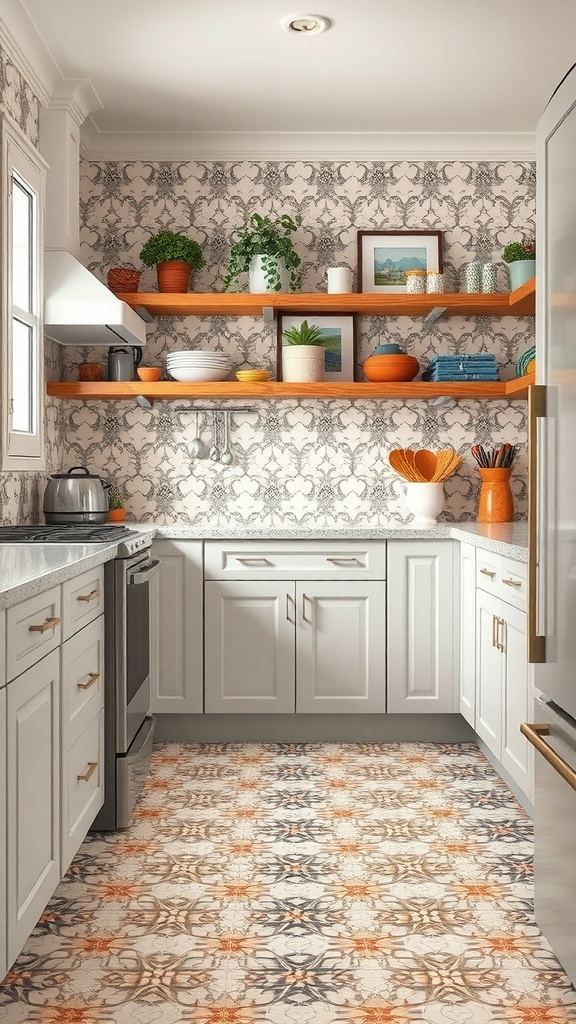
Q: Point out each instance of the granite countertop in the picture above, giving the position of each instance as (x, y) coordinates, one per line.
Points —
(28, 569)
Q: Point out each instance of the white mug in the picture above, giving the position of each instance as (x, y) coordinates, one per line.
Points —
(339, 279)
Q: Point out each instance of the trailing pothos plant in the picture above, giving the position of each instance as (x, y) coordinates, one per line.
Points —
(263, 236)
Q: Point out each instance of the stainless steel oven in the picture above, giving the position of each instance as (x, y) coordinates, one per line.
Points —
(129, 727)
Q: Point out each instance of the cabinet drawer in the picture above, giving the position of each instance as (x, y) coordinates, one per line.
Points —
(82, 600)
(295, 560)
(514, 583)
(82, 680)
(82, 787)
(33, 630)
(488, 571)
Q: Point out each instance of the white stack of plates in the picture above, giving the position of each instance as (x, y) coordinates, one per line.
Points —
(198, 366)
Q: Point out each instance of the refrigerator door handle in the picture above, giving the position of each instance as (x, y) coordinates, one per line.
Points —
(536, 522)
(534, 734)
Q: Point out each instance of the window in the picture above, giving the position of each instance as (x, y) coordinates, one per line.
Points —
(23, 178)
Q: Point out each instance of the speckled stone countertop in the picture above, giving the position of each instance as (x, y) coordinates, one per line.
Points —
(28, 569)
(510, 539)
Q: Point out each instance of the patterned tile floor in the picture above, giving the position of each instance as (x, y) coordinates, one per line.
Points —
(284, 883)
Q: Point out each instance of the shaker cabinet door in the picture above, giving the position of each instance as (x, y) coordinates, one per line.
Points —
(176, 628)
(341, 647)
(489, 671)
(249, 647)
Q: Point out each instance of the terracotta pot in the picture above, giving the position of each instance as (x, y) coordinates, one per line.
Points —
(117, 515)
(391, 368)
(173, 276)
(123, 279)
(496, 504)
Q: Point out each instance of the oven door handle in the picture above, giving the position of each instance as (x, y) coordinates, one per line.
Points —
(144, 574)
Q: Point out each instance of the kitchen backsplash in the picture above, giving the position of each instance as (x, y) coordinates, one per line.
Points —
(307, 462)
(21, 493)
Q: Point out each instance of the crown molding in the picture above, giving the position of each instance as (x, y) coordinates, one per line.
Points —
(27, 51)
(76, 95)
(107, 145)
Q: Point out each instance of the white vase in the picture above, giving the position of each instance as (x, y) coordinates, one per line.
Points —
(257, 282)
(302, 363)
(425, 501)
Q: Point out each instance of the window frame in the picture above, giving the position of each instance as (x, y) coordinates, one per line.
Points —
(19, 158)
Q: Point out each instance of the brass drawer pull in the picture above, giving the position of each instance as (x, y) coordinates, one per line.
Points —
(92, 596)
(494, 621)
(512, 583)
(500, 642)
(486, 572)
(343, 558)
(92, 766)
(93, 677)
(50, 623)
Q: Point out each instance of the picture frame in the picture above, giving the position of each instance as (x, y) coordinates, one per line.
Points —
(384, 255)
(340, 329)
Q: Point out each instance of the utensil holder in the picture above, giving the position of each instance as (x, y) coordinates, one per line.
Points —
(425, 501)
(496, 503)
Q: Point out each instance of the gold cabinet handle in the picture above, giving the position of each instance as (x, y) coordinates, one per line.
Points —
(92, 766)
(93, 677)
(92, 596)
(512, 583)
(534, 734)
(500, 643)
(486, 572)
(494, 621)
(304, 599)
(50, 623)
(348, 559)
(249, 559)
(289, 606)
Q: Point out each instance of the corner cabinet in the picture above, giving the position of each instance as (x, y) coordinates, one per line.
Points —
(422, 626)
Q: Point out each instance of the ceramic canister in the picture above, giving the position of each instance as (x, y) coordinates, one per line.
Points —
(415, 282)
(488, 278)
(339, 280)
(434, 282)
(473, 277)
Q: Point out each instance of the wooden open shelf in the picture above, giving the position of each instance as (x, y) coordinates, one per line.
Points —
(517, 388)
(517, 303)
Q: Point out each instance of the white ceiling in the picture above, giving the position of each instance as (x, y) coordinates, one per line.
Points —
(183, 69)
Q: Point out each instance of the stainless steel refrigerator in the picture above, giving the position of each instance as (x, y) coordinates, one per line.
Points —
(552, 527)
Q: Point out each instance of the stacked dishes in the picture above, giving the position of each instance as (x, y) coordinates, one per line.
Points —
(198, 366)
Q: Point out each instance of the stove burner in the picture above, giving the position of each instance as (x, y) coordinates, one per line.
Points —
(73, 534)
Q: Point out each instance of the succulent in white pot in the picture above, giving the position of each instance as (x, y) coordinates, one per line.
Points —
(303, 355)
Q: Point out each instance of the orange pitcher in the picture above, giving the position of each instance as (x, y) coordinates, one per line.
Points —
(496, 504)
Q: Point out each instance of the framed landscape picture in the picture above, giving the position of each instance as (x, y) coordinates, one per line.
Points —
(338, 338)
(383, 256)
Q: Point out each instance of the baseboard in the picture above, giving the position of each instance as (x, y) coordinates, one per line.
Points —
(313, 728)
(510, 782)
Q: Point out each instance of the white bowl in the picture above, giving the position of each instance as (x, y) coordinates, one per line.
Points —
(198, 362)
(189, 374)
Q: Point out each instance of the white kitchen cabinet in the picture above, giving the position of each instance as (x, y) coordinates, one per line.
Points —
(176, 639)
(340, 647)
(468, 632)
(3, 831)
(82, 787)
(423, 626)
(502, 686)
(311, 647)
(33, 789)
(249, 647)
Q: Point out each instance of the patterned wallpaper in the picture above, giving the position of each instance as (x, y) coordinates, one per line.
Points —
(21, 493)
(309, 462)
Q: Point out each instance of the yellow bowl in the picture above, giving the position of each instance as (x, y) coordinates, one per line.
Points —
(252, 375)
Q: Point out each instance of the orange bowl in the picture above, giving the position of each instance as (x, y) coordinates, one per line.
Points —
(149, 373)
(391, 368)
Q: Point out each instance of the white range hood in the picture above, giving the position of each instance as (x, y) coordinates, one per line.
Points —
(80, 310)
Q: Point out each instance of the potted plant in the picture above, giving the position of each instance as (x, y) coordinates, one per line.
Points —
(175, 257)
(521, 260)
(263, 249)
(303, 356)
(116, 508)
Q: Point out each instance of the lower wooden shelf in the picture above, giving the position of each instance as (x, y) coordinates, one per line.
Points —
(170, 390)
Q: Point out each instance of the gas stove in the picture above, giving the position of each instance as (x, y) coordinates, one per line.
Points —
(130, 541)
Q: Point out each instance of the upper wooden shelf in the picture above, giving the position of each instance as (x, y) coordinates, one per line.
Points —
(517, 303)
(517, 388)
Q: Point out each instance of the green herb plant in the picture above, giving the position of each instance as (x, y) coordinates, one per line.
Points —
(306, 334)
(116, 501)
(166, 245)
(263, 236)
(524, 250)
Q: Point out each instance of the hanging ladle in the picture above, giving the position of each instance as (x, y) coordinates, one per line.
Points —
(225, 453)
(196, 445)
(215, 450)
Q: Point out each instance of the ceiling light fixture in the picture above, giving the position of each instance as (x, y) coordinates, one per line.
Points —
(305, 24)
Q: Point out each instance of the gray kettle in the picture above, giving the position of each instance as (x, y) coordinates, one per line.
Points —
(122, 363)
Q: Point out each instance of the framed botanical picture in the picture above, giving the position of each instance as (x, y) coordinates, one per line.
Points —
(338, 340)
(384, 256)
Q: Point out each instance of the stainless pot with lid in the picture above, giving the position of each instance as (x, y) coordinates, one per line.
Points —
(77, 496)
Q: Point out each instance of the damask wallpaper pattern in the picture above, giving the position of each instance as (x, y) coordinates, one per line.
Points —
(307, 462)
(21, 493)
